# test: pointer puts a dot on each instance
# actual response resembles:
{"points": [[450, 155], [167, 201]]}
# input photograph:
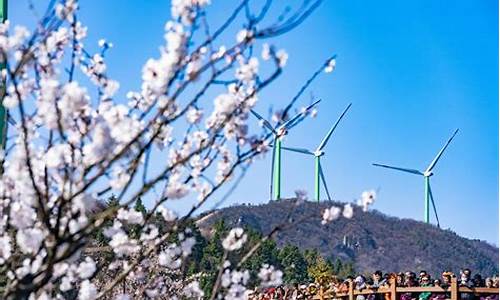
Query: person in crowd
{"points": [[344, 286], [359, 284], [488, 282], [466, 280], [477, 280], [425, 281], [421, 274], [400, 279], [409, 281], [446, 278], [377, 281]]}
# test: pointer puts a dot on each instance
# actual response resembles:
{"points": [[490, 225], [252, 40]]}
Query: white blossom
{"points": [[193, 290], [266, 51], [243, 35], [170, 258], [88, 291], [235, 239], [167, 214], [331, 214], [330, 66], [5, 248], [130, 216], [29, 240], [120, 178], [367, 199], [269, 276], [122, 245], [348, 211], [282, 57], [86, 268], [194, 115]]}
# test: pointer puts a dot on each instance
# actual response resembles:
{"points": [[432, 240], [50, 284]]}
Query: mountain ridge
{"points": [[372, 240]]}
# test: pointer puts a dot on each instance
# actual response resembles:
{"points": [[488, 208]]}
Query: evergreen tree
{"points": [[211, 257], [320, 269], [266, 254], [139, 206], [294, 265]]}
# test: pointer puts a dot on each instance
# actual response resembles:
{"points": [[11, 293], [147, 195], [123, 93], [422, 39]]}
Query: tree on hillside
{"points": [[319, 269], [294, 265]]}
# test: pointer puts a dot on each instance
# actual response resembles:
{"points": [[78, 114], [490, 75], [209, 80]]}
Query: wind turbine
{"points": [[278, 132], [318, 153], [426, 174]]}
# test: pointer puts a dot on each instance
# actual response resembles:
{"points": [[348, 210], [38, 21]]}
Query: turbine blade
{"points": [[329, 134], [290, 123], [412, 171], [324, 181], [434, 162], [272, 175], [434, 205], [264, 121], [299, 150]]}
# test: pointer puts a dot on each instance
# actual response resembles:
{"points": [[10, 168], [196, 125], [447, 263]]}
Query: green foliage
{"points": [[343, 270], [211, 258], [135, 230], [98, 235], [294, 265], [139, 206], [319, 269]]}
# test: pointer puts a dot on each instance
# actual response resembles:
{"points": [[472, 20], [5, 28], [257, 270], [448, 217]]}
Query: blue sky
{"points": [[414, 71]]}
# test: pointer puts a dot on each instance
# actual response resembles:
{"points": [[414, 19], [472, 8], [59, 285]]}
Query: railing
{"points": [[395, 291]]}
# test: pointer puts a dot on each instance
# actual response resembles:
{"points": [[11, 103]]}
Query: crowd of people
{"points": [[337, 286]]}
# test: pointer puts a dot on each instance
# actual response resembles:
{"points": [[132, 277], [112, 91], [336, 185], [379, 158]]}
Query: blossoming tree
{"points": [[67, 150]]}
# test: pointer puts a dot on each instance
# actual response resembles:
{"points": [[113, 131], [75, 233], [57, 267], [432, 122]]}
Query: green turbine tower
{"points": [[278, 132], [426, 174], [318, 153]]}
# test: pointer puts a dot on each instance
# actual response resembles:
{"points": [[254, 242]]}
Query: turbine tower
{"points": [[278, 132], [318, 153], [426, 174]]}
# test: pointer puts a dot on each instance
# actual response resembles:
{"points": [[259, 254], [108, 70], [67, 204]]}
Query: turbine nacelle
{"points": [[281, 132], [428, 174], [319, 153]]}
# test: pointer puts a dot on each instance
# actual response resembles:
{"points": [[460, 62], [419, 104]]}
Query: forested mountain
{"points": [[371, 240]]}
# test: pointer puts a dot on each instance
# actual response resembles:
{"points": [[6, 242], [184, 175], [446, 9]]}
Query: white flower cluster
{"points": [[334, 212], [235, 284], [186, 9], [330, 66], [235, 239], [157, 73], [367, 199], [270, 276], [172, 257], [121, 243]]}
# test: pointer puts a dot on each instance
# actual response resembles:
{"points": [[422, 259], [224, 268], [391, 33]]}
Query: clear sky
{"points": [[414, 71]]}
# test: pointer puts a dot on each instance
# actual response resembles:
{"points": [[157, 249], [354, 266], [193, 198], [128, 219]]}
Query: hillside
{"points": [[371, 239]]}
